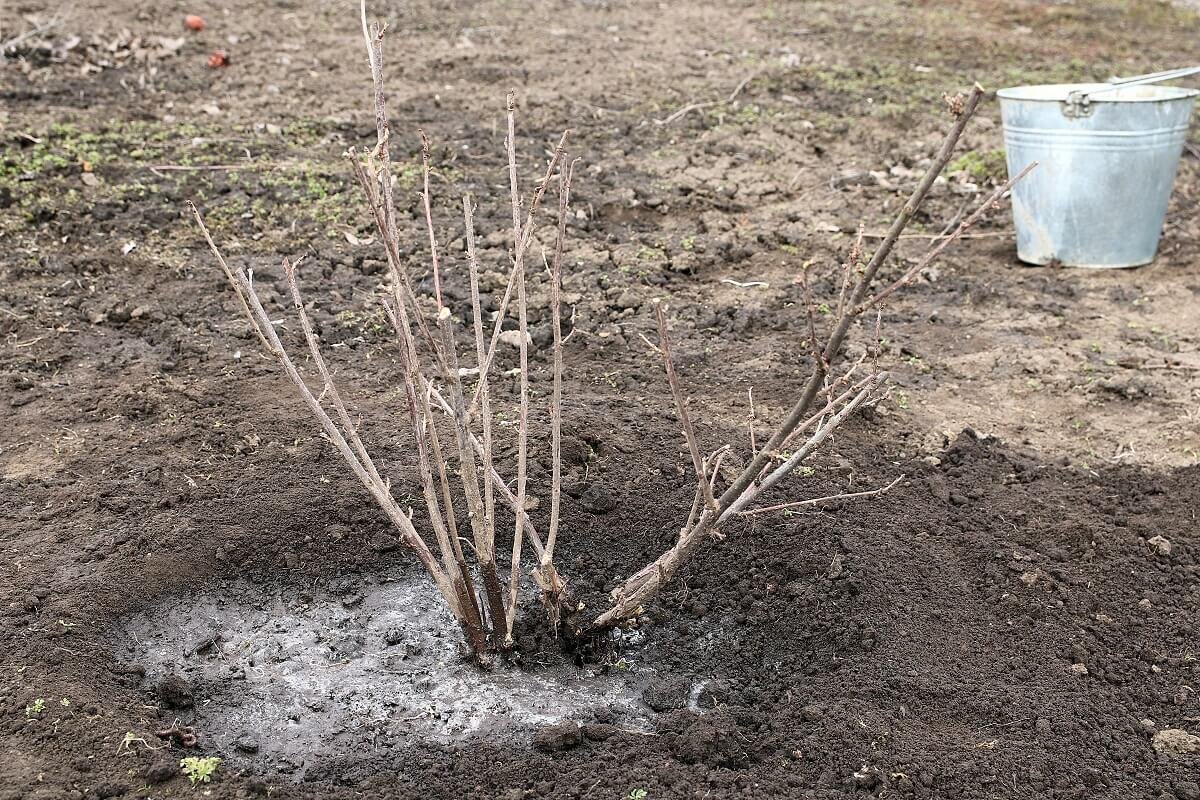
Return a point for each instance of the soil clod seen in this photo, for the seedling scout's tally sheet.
(667, 694)
(562, 736)
(175, 692)
(1175, 742)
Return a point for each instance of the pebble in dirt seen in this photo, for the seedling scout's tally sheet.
(282, 676)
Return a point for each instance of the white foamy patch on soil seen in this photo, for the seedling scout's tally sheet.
(301, 672)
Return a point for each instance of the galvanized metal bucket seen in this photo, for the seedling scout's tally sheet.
(1107, 158)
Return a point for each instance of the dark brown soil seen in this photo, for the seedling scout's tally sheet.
(999, 625)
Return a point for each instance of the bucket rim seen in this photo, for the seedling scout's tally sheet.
(1058, 93)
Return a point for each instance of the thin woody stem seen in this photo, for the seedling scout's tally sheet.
(237, 289)
(647, 582)
(937, 249)
(289, 270)
(564, 203)
(816, 501)
(356, 457)
(685, 418)
(482, 528)
(523, 363)
(485, 409)
(797, 458)
(522, 237)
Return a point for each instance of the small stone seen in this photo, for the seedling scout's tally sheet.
(202, 644)
(1030, 577)
(1079, 669)
(1144, 604)
(393, 637)
(513, 338)
(1160, 544)
(812, 712)
(176, 692)
(1175, 742)
(554, 738)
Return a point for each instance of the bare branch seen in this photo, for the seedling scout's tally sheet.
(685, 418)
(483, 530)
(797, 458)
(489, 497)
(237, 287)
(991, 202)
(816, 501)
(815, 382)
(645, 583)
(289, 270)
(522, 237)
(564, 203)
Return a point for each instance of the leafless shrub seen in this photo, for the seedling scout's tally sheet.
(438, 389)
(434, 386)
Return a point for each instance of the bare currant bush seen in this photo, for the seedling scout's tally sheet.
(434, 386)
(443, 398)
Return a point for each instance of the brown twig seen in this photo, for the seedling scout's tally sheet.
(237, 288)
(750, 422)
(798, 411)
(354, 454)
(564, 204)
(816, 501)
(690, 107)
(816, 440)
(519, 246)
(485, 453)
(483, 531)
(685, 418)
(942, 244)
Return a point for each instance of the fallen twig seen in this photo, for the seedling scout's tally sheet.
(690, 107)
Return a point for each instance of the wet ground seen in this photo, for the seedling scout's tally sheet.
(1006, 622)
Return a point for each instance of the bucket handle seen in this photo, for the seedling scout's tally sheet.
(1078, 102)
(1154, 77)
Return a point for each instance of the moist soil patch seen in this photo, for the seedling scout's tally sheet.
(991, 627)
